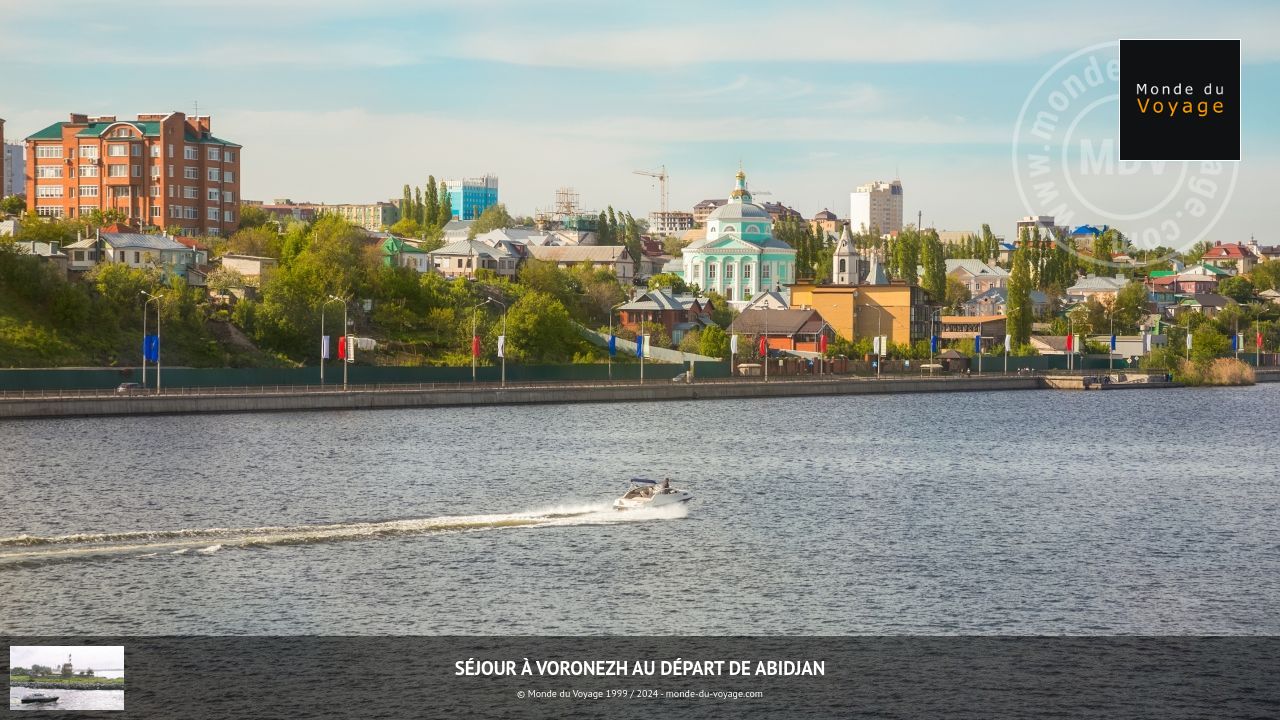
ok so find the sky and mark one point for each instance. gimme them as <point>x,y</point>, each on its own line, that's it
<point>101,657</point>
<point>339,101</point>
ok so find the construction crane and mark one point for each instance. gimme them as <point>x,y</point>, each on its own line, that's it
<point>661,174</point>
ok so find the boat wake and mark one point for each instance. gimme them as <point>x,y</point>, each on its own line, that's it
<point>23,550</point>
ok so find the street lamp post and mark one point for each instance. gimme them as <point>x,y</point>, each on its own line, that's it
<point>144,338</point>
<point>346,340</point>
<point>324,344</point>
<point>613,348</point>
<point>504,338</point>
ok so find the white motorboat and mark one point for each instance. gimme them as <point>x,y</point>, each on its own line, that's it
<point>39,697</point>
<point>646,493</point>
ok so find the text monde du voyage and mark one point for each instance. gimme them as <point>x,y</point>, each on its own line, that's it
<point>1181,99</point>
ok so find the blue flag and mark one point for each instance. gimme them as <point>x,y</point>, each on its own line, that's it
<point>1235,343</point>
<point>613,345</point>
<point>933,344</point>
<point>639,346</point>
<point>1113,343</point>
<point>977,344</point>
<point>151,348</point>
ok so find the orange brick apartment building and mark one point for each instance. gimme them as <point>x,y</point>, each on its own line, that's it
<point>163,171</point>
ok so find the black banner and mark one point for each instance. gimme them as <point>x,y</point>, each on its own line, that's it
<point>693,677</point>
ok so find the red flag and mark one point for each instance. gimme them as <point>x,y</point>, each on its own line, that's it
<point>342,347</point>
<point>764,346</point>
<point>475,345</point>
<point>1070,343</point>
<point>1259,341</point>
<point>822,344</point>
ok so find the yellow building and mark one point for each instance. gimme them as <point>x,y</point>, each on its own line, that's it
<point>873,306</point>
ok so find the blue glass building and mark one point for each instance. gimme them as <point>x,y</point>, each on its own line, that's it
<point>470,196</point>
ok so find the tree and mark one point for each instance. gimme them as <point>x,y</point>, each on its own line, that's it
<point>1129,307</point>
<point>539,330</point>
<point>494,217</point>
<point>1207,343</point>
<point>668,280</point>
<point>225,278</point>
<point>258,241</point>
<point>1237,288</point>
<point>13,205</point>
<point>432,204</point>
<point>445,212</point>
<point>1266,276</point>
<point>714,342</point>
<point>253,216</point>
<point>419,212</point>
<point>1019,303</point>
<point>407,208</point>
<point>957,293</point>
<point>935,267</point>
<point>906,256</point>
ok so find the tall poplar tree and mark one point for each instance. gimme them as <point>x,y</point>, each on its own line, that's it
<point>445,214</point>
<point>1019,309</point>
<point>431,203</point>
<point>406,203</point>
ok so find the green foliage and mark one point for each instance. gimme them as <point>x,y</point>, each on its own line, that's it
<point>903,261</point>
<point>13,205</point>
<point>1207,343</point>
<point>668,280</point>
<point>444,212</point>
<point>957,293</point>
<point>539,330</point>
<point>1237,288</point>
<point>722,313</point>
<point>934,261</point>
<point>714,342</point>
<point>253,216</point>
<point>1130,307</point>
<point>1266,275</point>
<point>259,241</point>
<point>494,217</point>
<point>1019,309</point>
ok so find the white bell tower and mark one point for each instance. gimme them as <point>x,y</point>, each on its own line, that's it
<point>844,262</point>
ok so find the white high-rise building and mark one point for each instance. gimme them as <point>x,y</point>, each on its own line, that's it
<point>876,205</point>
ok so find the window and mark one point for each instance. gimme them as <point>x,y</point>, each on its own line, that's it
<point>728,271</point>
<point>213,213</point>
<point>171,150</point>
<point>228,196</point>
<point>88,171</point>
<point>212,195</point>
<point>155,151</point>
<point>137,256</point>
<point>173,191</point>
<point>50,171</point>
<point>117,171</point>
<point>137,171</point>
<point>170,171</point>
<point>79,256</point>
<point>746,271</point>
<point>155,191</point>
<point>215,174</point>
<point>88,191</point>
<point>228,216</point>
<point>48,151</point>
<point>215,153</point>
<point>765,271</point>
<point>136,150</point>
<point>155,211</point>
<point>842,265</point>
<point>120,192</point>
<point>49,210</point>
<point>89,152</point>
<point>711,271</point>
<point>229,156</point>
<point>175,211</point>
<point>229,176</point>
<point>117,150</point>
<point>190,213</point>
<point>189,153</point>
<point>120,132</point>
<point>189,192</point>
<point>155,171</point>
<point>190,173</point>
<point>48,191</point>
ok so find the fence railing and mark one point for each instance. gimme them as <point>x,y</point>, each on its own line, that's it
<point>213,391</point>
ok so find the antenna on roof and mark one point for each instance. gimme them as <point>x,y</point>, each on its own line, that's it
<point>197,110</point>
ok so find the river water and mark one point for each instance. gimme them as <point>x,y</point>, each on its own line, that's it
<point>1030,512</point>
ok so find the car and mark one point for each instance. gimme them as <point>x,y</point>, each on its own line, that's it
<point>682,377</point>
<point>129,388</point>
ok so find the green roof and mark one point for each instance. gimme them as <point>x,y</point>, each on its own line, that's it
<point>1162,273</point>
<point>150,128</point>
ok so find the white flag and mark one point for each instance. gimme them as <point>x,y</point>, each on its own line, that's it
<point>733,343</point>
<point>502,344</point>
<point>1188,340</point>
<point>1008,343</point>
<point>324,347</point>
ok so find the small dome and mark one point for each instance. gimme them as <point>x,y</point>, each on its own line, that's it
<point>739,211</point>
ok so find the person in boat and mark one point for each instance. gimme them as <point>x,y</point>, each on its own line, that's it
<point>666,484</point>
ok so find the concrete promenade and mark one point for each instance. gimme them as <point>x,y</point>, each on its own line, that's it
<point>288,399</point>
<point>73,403</point>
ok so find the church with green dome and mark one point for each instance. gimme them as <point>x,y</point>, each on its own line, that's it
<point>739,257</point>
